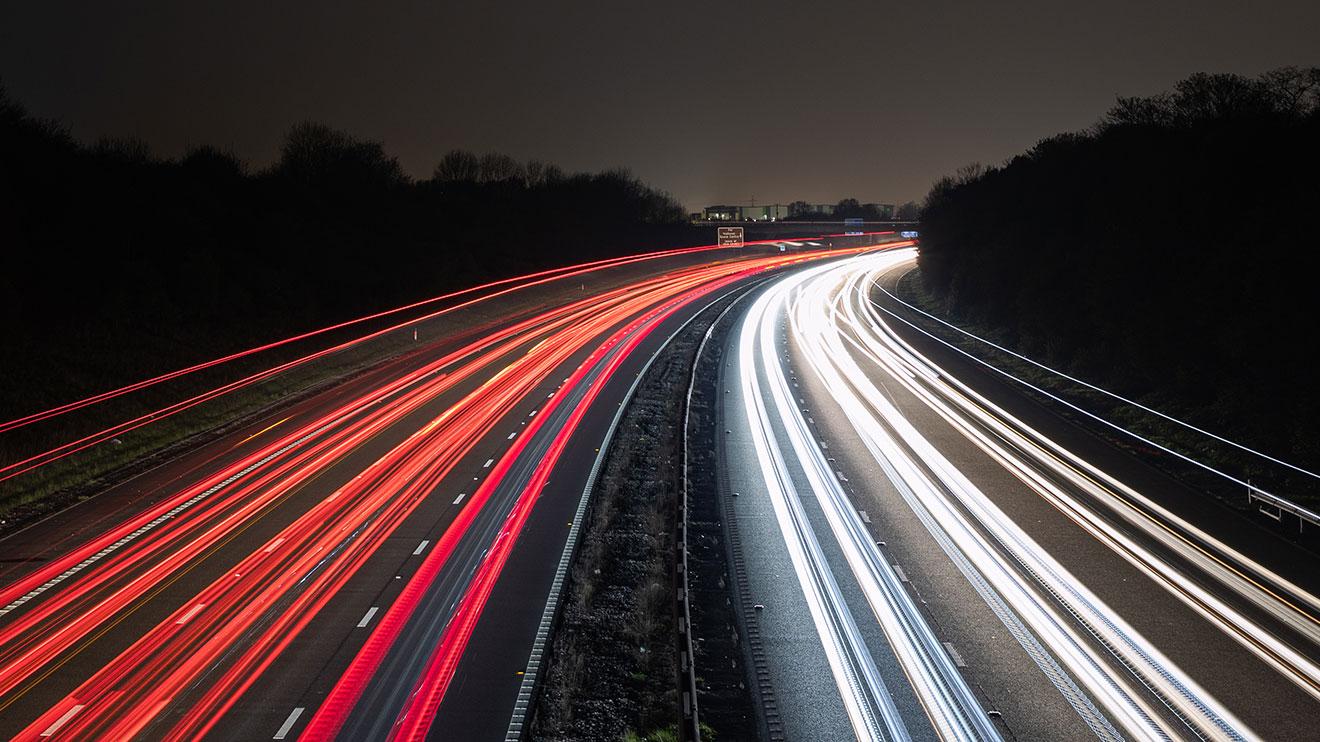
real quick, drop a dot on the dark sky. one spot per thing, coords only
(715, 102)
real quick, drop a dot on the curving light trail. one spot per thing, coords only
(1115, 678)
(1189, 553)
(470, 296)
(948, 701)
(182, 675)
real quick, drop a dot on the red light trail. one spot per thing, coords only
(214, 643)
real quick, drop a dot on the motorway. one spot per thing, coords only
(934, 557)
(931, 555)
(370, 563)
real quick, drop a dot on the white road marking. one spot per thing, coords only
(420, 548)
(459, 499)
(185, 618)
(288, 723)
(953, 653)
(367, 618)
(53, 728)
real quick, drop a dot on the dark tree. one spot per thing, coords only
(316, 155)
(457, 166)
(123, 265)
(1168, 253)
(847, 208)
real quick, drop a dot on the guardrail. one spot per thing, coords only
(690, 728)
(519, 720)
(1280, 506)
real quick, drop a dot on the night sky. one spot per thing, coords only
(715, 102)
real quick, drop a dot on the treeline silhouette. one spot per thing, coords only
(846, 208)
(1168, 253)
(118, 264)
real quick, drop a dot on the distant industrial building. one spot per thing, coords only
(763, 213)
(782, 212)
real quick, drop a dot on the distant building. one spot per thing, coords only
(764, 213)
(723, 213)
(780, 212)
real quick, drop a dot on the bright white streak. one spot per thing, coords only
(818, 327)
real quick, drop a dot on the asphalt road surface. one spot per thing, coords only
(938, 556)
(371, 562)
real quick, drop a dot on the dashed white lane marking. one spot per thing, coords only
(367, 618)
(511, 435)
(459, 499)
(954, 655)
(185, 618)
(901, 574)
(146, 527)
(53, 728)
(532, 413)
(288, 723)
(420, 548)
(488, 463)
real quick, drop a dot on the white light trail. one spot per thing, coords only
(945, 696)
(845, 341)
